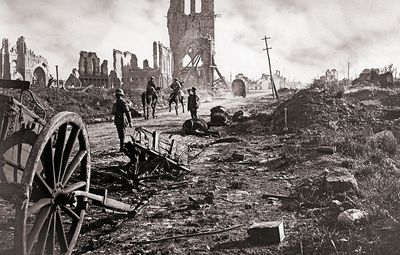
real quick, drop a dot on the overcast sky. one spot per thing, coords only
(308, 36)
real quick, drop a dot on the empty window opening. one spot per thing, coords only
(94, 66)
(187, 7)
(200, 62)
(186, 61)
(198, 6)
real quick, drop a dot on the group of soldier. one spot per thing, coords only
(121, 111)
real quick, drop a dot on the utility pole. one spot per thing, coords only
(348, 70)
(57, 76)
(274, 92)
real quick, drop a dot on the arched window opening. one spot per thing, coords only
(85, 65)
(187, 7)
(198, 6)
(186, 61)
(200, 63)
(94, 66)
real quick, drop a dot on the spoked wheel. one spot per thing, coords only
(49, 220)
(14, 152)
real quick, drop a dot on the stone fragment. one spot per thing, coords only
(351, 216)
(340, 180)
(238, 156)
(336, 205)
(268, 232)
(327, 149)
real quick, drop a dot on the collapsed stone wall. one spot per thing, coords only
(90, 71)
(20, 63)
(127, 73)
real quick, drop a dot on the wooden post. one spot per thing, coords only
(274, 92)
(171, 151)
(57, 76)
(156, 137)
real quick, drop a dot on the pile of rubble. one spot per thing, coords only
(316, 109)
(91, 103)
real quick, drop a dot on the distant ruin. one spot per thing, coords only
(20, 63)
(91, 72)
(127, 72)
(192, 35)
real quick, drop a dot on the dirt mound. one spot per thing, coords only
(90, 103)
(315, 109)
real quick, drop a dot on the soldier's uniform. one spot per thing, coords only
(151, 86)
(122, 116)
(193, 103)
(176, 88)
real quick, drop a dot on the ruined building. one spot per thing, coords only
(192, 33)
(90, 71)
(127, 72)
(20, 63)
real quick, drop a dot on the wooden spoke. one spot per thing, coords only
(59, 151)
(68, 149)
(48, 163)
(41, 244)
(75, 186)
(62, 239)
(73, 165)
(70, 213)
(37, 227)
(40, 181)
(3, 177)
(38, 205)
(51, 238)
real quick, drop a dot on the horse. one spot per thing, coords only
(176, 97)
(150, 98)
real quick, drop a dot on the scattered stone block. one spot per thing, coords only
(238, 156)
(340, 180)
(327, 149)
(268, 232)
(351, 216)
(336, 205)
(248, 206)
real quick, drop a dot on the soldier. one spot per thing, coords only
(193, 103)
(151, 86)
(176, 88)
(122, 117)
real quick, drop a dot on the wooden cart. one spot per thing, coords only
(44, 175)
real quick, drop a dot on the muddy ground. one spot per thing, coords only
(219, 193)
(226, 192)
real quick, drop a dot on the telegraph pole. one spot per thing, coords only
(348, 70)
(57, 76)
(274, 92)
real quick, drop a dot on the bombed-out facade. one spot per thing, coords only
(127, 72)
(20, 63)
(192, 32)
(90, 71)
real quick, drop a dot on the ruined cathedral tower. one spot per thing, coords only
(191, 26)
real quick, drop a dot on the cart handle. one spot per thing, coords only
(105, 201)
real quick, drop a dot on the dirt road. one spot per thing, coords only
(219, 193)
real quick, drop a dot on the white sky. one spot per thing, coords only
(308, 36)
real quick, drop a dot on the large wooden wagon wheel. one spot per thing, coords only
(49, 220)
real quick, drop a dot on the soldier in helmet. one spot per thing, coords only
(151, 86)
(176, 87)
(193, 103)
(122, 116)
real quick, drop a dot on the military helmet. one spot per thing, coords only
(119, 92)
(193, 88)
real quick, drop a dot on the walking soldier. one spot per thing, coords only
(122, 116)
